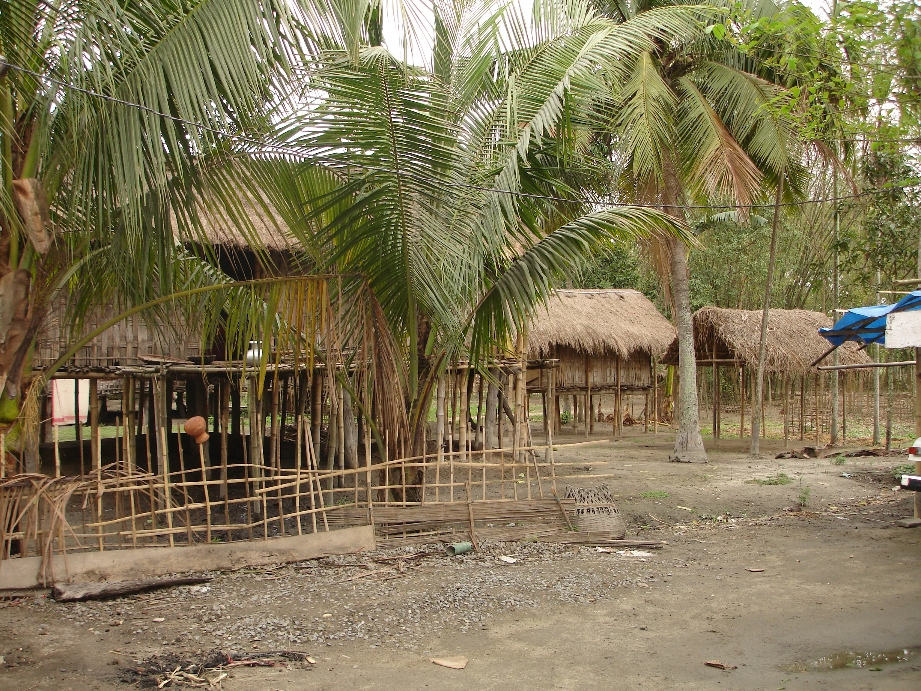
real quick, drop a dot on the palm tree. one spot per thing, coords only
(438, 182)
(693, 123)
(105, 109)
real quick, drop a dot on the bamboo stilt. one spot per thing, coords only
(94, 423)
(440, 403)
(204, 477)
(224, 416)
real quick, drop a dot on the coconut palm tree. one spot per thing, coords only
(693, 123)
(439, 182)
(105, 109)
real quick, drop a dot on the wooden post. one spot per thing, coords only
(818, 427)
(163, 446)
(646, 415)
(225, 423)
(463, 421)
(478, 436)
(57, 452)
(316, 413)
(130, 418)
(555, 402)
(78, 427)
(588, 397)
(742, 407)
(274, 432)
(454, 395)
(440, 433)
(787, 413)
(153, 450)
(655, 397)
(94, 423)
(843, 387)
(802, 408)
(619, 400)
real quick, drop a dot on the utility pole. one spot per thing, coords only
(833, 428)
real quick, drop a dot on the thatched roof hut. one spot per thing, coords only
(602, 341)
(619, 321)
(732, 336)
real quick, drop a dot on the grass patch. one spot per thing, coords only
(656, 494)
(779, 479)
(838, 460)
(804, 495)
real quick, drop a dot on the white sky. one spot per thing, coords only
(422, 14)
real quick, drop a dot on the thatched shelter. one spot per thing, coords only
(605, 341)
(731, 338)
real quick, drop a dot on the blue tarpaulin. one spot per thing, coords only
(868, 324)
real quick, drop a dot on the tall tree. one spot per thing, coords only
(695, 124)
(437, 181)
(105, 107)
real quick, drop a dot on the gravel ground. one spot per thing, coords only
(741, 579)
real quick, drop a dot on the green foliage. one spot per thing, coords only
(838, 460)
(803, 497)
(903, 469)
(778, 479)
(655, 494)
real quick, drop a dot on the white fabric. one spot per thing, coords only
(62, 401)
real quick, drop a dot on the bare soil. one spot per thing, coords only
(783, 596)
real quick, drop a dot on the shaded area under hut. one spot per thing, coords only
(728, 340)
(606, 342)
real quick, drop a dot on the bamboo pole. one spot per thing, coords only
(94, 423)
(204, 477)
(440, 433)
(160, 421)
(742, 407)
(78, 427)
(818, 427)
(225, 423)
(549, 453)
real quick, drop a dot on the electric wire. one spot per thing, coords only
(268, 147)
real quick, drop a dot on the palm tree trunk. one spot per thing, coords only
(689, 445)
(758, 403)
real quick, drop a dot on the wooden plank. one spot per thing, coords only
(152, 562)
(78, 592)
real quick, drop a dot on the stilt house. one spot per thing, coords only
(731, 338)
(605, 341)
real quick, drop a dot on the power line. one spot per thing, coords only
(275, 148)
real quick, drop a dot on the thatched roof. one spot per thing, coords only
(253, 224)
(793, 342)
(595, 321)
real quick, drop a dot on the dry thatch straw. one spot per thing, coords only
(793, 341)
(249, 223)
(598, 321)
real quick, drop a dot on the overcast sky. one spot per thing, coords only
(393, 23)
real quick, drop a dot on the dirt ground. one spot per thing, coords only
(792, 599)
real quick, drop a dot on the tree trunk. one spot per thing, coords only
(350, 429)
(758, 402)
(689, 445)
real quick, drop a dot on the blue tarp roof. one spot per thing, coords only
(868, 324)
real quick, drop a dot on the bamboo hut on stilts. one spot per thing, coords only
(727, 342)
(606, 343)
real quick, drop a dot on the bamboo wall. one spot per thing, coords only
(602, 370)
(122, 344)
